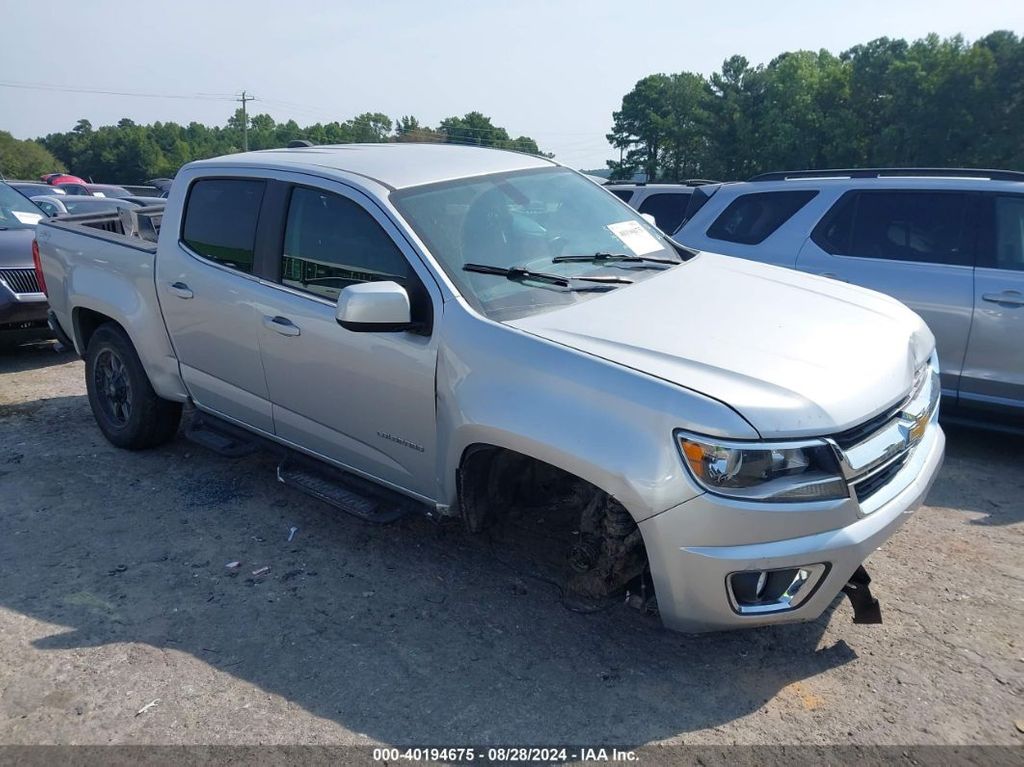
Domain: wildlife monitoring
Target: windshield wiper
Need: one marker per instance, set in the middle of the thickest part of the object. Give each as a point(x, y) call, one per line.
point(518, 273)
point(601, 258)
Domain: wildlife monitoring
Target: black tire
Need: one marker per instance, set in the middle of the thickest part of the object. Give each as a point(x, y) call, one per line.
point(127, 410)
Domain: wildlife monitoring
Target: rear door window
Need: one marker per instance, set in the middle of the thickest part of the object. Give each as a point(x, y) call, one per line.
point(751, 218)
point(668, 209)
point(220, 220)
point(926, 227)
point(623, 194)
point(1007, 252)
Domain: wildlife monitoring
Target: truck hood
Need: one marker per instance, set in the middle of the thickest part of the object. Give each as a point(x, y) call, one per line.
point(16, 248)
point(794, 354)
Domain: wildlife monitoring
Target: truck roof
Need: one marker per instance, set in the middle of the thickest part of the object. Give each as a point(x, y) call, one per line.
point(394, 165)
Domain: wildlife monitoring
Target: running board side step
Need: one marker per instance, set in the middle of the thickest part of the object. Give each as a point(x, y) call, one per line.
point(353, 495)
point(220, 436)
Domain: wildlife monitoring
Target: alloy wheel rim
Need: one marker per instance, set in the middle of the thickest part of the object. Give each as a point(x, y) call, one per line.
point(113, 387)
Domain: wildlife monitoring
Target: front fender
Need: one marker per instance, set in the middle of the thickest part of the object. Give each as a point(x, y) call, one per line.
point(608, 425)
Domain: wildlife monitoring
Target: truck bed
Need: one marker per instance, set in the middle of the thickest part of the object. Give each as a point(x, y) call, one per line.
point(101, 267)
point(141, 226)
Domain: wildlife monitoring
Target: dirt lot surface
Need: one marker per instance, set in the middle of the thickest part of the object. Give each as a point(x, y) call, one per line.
point(114, 594)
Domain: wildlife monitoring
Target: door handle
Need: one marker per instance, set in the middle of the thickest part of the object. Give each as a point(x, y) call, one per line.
point(281, 325)
point(1007, 297)
point(181, 290)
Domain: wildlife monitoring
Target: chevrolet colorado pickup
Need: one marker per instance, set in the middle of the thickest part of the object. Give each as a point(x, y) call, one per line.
point(471, 332)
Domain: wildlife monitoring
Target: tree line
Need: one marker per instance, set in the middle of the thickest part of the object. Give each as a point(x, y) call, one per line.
point(130, 153)
point(889, 102)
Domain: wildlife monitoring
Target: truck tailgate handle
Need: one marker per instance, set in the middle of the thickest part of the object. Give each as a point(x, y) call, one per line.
point(281, 325)
point(1007, 297)
point(181, 290)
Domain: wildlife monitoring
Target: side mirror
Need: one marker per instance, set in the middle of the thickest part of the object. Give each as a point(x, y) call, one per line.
point(374, 307)
point(649, 219)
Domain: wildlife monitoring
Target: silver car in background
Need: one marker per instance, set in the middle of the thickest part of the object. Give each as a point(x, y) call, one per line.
point(947, 243)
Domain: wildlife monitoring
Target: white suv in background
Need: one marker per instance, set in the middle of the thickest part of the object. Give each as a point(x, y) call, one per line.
point(666, 203)
point(949, 243)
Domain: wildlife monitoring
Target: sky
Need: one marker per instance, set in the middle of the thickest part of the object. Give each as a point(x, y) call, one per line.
point(551, 70)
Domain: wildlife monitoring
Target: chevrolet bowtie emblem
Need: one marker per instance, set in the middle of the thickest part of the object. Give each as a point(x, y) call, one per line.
point(913, 427)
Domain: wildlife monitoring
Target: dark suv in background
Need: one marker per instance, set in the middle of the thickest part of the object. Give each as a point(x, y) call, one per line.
point(23, 305)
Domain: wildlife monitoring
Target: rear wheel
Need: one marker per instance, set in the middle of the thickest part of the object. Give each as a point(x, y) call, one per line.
point(127, 410)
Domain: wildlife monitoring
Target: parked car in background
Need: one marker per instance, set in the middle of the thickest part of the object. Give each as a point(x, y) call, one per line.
point(61, 178)
point(32, 188)
point(666, 203)
point(949, 243)
point(75, 204)
point(472, 333)
point(143, 201)
point(96, 190)
point(22, 303)
point(142, 190)
point(51, 204)
point(163, 185)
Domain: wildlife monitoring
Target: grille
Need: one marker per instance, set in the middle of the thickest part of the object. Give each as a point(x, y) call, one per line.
point(875, 482)
point(20, 280)
point(857, 434)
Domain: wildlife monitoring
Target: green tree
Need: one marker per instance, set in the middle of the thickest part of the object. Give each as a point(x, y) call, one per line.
point(884, 103)
point(640, 127)
point(370, 128)
point(25, 159)
point(474, 128)
point(130, 153)
point(408, 129)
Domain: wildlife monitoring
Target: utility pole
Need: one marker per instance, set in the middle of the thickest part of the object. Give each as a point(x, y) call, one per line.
point(245, 120)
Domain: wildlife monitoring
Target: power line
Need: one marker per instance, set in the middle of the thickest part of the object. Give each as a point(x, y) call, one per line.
point(460, 135)
point(102, 92)
point(244, 98)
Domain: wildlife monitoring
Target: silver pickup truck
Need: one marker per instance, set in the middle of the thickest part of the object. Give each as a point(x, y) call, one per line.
point(470, 332)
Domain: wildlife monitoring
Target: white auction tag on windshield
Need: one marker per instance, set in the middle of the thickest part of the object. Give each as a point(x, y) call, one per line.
point(26, 218)
point(635, 237)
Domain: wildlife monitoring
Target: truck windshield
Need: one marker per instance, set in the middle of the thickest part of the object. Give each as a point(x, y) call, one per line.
point(531, 220)
point(16, 210)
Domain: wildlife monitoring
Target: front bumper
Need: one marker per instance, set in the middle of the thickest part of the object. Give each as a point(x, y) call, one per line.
point(690, 576)
point(22, 316)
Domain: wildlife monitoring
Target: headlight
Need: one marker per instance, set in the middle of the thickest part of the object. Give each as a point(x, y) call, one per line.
point(764, 471)
point(936, 383)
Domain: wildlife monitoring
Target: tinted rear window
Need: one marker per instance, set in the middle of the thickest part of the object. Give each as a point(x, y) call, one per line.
point(927, 227)
point(220, 220)
point(752, 218)
point(1001, 244)
point(668, 209)
point(623, 194)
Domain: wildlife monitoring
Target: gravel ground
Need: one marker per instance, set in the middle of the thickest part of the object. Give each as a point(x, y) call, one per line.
point(114, 595)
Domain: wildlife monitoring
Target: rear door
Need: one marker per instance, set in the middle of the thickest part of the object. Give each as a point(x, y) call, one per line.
point(993, 371)
point(211, 298)
point(917, 246)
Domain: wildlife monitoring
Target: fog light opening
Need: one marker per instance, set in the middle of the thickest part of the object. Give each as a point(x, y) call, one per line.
point(766, 591)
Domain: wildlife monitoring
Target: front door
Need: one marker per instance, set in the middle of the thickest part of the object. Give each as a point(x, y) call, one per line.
point(210, 299)
point(994, 367)
point(915, 246)
point(365, 400)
